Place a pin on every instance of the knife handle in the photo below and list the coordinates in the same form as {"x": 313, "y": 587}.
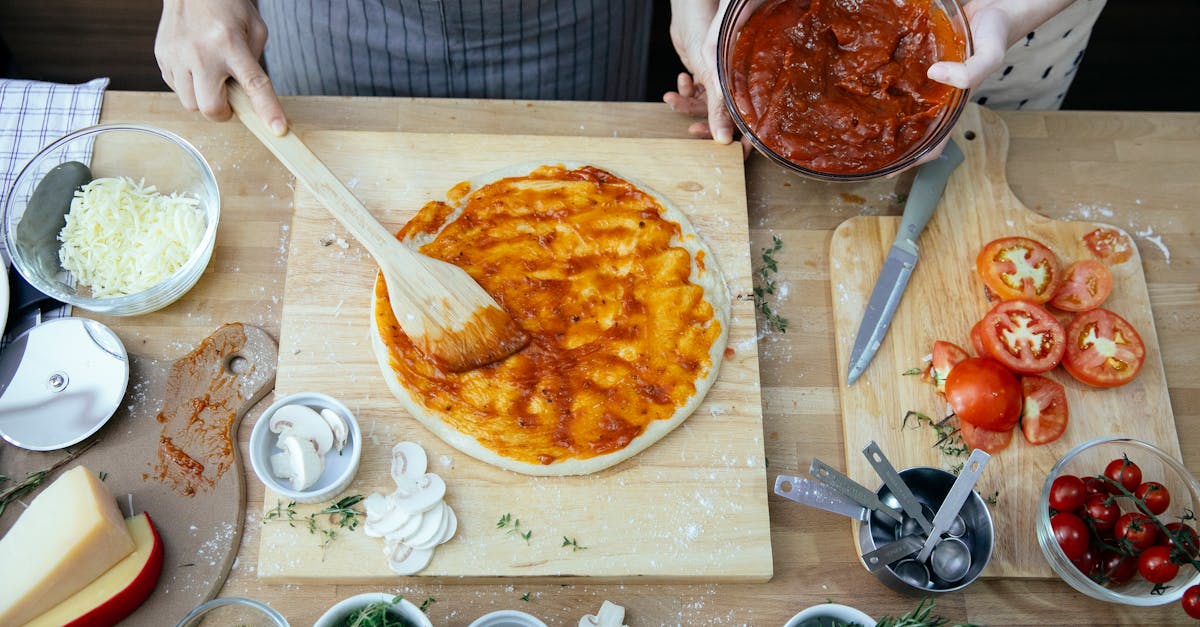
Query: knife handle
{"x": 923, "y": 197}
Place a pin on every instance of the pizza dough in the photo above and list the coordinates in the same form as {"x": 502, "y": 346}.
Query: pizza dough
{"x": 627, "y": 308}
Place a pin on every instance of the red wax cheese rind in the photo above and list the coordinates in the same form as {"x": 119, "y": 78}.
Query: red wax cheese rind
{"x": 120, "y": 590}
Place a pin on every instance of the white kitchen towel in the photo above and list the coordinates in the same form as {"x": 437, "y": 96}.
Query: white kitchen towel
{"x": 33, "y": 114}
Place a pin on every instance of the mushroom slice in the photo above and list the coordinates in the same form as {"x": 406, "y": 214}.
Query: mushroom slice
{"x": 306, "y": 464}
{"x": 405, "y": 560}
{"x": 420, "y": 495}
{"x": 451, "y": 526}
{"x": 433, "y": 525}
{"x": 610, "y": 615}
{"x": 337, "y": 424}
{"x": 384, "y": 518}
{"x": 303, "y": 421}
{"x": 408, "y": 461}
{"x": 280, "y": 466}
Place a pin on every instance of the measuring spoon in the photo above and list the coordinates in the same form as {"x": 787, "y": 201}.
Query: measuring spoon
{"x": 818, "y": 495}
{"x": 888, "y": 553}
{"x": 895, "y": 483}
{"x": 957, "y": 528}
{"x": 852, "y": 489}
{"x": 950, "y": 560}
{"x": 953, "y": 502}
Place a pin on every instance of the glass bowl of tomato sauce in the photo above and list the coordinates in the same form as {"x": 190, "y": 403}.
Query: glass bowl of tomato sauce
{"x": 1106, "y": 547}
{"x": 836, "y": 89}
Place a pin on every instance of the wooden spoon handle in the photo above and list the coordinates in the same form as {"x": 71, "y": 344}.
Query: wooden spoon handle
{"x": 330, "y": 190}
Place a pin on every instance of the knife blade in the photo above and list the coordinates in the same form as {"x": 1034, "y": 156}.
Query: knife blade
{"x": 923, "y": 197}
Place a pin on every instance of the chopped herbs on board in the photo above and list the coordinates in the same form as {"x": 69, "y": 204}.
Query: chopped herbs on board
{"x": 766, "y": 286}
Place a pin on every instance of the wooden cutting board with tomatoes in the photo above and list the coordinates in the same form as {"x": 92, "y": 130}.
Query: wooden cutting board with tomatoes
{"x": 946, "y": 298}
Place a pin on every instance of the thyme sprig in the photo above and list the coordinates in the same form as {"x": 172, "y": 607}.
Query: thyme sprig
{"x": 514, "y": 527}
{"x": 766, "y": 286}
{"x": 325, "y": 522}
{"x": 571, "y": 542}
{"x": 949, "y": 441}
{"x": 35, "y": 479}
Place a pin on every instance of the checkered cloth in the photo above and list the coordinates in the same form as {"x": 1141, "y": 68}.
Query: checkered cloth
{"x": 33, "y": 114}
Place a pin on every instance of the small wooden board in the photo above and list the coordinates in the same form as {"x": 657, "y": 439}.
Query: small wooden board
{"x": 943, "y": 300}
{"x": 693, "y": 507}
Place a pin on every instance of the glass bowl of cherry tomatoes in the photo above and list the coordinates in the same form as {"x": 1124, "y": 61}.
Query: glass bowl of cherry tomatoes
{"x": 1117, "y": 523}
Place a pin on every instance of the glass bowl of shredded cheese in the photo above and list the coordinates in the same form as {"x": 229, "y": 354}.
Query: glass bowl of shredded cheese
{"x": 118, "y": 219}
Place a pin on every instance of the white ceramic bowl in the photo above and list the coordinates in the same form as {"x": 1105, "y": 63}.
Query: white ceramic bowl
{"x": 340, "y": 468}
{"x": 507, "y": 618}
{"x": 831, "y": 612}
{"x": 334, "y": 616}
{"x": 161, "y": 158}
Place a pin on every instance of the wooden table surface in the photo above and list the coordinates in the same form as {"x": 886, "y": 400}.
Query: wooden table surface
{"x": 1138, "y": 171}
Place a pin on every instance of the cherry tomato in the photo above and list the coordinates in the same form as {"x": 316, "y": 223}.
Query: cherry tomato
{"x": 1088, "y": 562}
{"x": 1071, "y": 534}
{"x": 984, "y": 393}
{"x": 1155, "y": 496}
{"x": 986, "y": 440}
{"x": 1044, "y": 412}
{"x": 1102, "y": 349}
{"x": 1191, "y": 601}
{"x": 1124, "y": 472}
{"x": 977, "y": 339}
{"x": 1019, "y": 267}
{"x": 1189, "y": 542}
{"x": 1023, "y": 336}
{"x": 1154, "y": 565}
{"x": 1095, "y": 485}
{"x": 1138, "y": 529}
{"x": 1102, "y": 511}
{"x": 1116, "y": 568}
{"x": 1067, "y": 493}
{"x": 945, "y": 356}
{"x": 1110, "y": 245}
{"x": 1085, "y": 285}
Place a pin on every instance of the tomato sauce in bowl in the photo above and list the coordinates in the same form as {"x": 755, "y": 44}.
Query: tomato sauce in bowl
{"x": 839, "y": 87}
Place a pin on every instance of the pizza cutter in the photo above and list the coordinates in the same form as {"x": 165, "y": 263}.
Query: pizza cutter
{"x": 60, "y": 381}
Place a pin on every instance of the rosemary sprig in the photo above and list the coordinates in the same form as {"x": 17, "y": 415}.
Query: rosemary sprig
{"x": 35, "y": 479}
{"x": 920, "y": 617}
{"x": 766, "y": 286}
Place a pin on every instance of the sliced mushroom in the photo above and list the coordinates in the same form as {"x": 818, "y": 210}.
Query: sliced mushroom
{"x": 386, "y": 519}
{"x": 304, "y": 422}
{"x": 280, "y": 466}
{"x": 405, "y": 560}
{"x": 451, "y": 526}
{"x": 610, "y": 615}
{"x": 337, "y": 424}
{"x": 408, "y": 461}
{"x": 420, "y": 495}
{"x": 433, "y": 525}
{"x": 306, "y": 464}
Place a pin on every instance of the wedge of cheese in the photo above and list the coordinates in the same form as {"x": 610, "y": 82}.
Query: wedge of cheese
{"x": 70, "y": 535}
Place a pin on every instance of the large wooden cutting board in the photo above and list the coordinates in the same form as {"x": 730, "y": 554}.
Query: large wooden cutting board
{"x": 943, "y": 301}
{"x": 692, "y": 507}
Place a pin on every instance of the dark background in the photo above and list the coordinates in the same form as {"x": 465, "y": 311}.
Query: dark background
{"x": 1143, "y": 54}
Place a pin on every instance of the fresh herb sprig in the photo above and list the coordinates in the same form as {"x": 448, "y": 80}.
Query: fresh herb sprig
{"x": 766, "y": 286}
{"x": 35, "y": 479}
{"x": 377, "y": 614}
{"x": 514, "y": 527}
{"x": 919, "y": 617}
{"x": 571, "y": 542}
{"x": 949, "y": 438}
{"x": 325, "y": 522}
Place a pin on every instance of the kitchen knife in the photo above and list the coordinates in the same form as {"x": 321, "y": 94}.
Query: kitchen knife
{"x": 926, "y": 190}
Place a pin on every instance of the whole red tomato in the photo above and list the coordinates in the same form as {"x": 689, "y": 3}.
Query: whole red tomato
{"x": 985, "y": 394}
{"x": 1095, "y": 485}
{"x": 1124, "y": 472}
{"x": 1187, "y": 536}
{"x": 1088, "y": 562}
{"x": 1155, "y": 496}
{"x": 1191, "y": 601}
{"x": 1071, "y": 534}
{"x": 1155, "y": 566}
{"x": 1067, "y": 493}
{"x": 1102, "y": 511}
{"x": 1138, "y": 529}
{"x": 1115, "y": 568}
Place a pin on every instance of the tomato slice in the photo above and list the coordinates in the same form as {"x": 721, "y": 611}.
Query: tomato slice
{"x": 1103, "y": 349}
{"x": 1085, "y": 285}
{"x": 1022, "y": 336}
{"x": 1019, "y": 267}
{"x": 1109, "y": 245}
{"x": 977, "y": 339}
{"x": 1044, "y": 413}
{"x": 989, "y": 441}
{"x": 945, "y": 355}
{"x": 984, "y": 393}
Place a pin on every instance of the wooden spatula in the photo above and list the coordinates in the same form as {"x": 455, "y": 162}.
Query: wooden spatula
{"x": 445, "y": 313}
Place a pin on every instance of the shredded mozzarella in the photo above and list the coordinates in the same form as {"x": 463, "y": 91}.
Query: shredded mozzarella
{"x": 122, "y": 237}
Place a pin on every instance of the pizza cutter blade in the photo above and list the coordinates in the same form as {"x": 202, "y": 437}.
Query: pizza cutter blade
{"x": 60, "y": 381}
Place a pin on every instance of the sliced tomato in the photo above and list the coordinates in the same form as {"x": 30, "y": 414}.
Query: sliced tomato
{"x": 984, "y": 393}
{"x": 1103, "y": 349}
{"x": 1085, "y": 285}
{"x": 1019, "y": 267}
{"x": 1109, "y": 245}
{"x": 1022, "y": 336}
{"x": 991, "y": 442}
{"x": 1044, "y": 413}
{"x": 977, "y": 339}
{"x": 945, "y": 355}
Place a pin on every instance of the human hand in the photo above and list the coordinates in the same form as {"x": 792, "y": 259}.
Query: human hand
{"x": 201, "y": 43}
{"x": 991, "y": 29}
{"x": 695, "y": 25}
